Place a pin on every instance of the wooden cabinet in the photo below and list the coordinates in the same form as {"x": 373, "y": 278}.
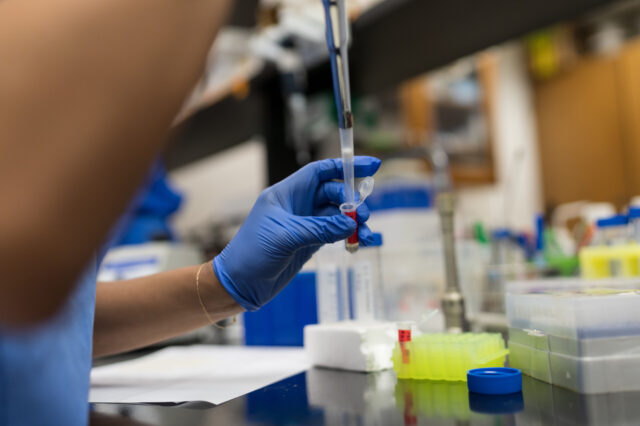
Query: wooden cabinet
{"x": 629, "y": 88}
{"x": 589, "y": 129}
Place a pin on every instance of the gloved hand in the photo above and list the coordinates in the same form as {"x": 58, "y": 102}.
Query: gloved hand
{"x": 289, "y": 222}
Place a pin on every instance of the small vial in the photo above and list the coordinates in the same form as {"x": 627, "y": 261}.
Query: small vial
{"x": 352, "y": 243}
{"x": 404, "y": 337}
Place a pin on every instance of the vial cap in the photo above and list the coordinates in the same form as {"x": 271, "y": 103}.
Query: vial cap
{"x": 366, "y": 187}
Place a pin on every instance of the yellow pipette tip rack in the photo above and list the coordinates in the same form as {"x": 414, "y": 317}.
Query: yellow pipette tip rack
{"x": 447, "y": 356}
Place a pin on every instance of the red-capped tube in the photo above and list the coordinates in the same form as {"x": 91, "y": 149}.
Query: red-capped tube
{"x": 352, "y": 243}
{"x": 353, "y": 239}
{"x": 404, "y": 335}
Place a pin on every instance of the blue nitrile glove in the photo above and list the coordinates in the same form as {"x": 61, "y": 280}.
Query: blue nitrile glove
{"x": 288, "y": 223}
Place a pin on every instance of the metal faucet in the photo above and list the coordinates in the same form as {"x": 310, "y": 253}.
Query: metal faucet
{"x": 453, "y": 299}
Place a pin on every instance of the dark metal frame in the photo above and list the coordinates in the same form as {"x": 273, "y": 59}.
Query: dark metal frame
{"x": 394, "y": 41}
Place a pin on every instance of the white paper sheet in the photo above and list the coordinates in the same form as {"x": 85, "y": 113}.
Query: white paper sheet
{"x": 214, "y": 374}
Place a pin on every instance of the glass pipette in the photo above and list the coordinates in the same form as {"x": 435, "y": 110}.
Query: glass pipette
{"x": 337, "y": 25}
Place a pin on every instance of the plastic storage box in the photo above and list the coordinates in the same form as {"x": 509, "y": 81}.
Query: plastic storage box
{"x": 591, "y": 375}
{"x": 581, "y": 335}
{"x": 576, "y": 309}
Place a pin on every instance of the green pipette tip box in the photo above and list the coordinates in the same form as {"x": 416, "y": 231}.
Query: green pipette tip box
{"x": 447, "y": 356}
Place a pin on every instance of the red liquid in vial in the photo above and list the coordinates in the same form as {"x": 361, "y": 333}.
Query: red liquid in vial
{"x": 404, "y": 337}
{"x": 353, "y": 239}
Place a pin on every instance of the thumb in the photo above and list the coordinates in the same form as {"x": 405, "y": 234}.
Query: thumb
{"x": 312, "y": 230}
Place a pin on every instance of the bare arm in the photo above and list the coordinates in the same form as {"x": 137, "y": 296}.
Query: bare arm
{"x": 135, "y": 313}
{"x": 87, "y": 89}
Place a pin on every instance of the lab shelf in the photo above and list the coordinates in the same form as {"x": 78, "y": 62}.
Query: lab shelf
{"x": 393, "y": 41}
{"x": 400, "y": 39}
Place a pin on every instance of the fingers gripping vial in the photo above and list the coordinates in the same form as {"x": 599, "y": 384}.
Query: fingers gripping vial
{"x": 286, "y": 226}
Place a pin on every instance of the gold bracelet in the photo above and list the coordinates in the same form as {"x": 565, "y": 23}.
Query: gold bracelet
{"x": 204, "y": 308}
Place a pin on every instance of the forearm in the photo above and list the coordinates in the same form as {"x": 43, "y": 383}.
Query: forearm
{"x": 135, "y": 313}
{"x": 87, "y": 91}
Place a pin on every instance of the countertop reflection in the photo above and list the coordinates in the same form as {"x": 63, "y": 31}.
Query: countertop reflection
{"x": 331, "y": 397}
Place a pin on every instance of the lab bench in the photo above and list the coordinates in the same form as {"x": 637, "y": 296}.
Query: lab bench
{"x": 331, "y": 397}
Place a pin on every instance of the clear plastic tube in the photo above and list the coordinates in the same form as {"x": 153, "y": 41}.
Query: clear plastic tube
{"x": 346, "y": 145}
{"x": 366, "y": 283}
{"x": 332, "y": 286}
{"x": 352, "y": 243}
{"x": 343, "y": 24}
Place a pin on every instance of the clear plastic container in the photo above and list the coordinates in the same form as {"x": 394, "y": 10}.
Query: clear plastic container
{"x": 613, "y": 346}
{"x": 414, "y": 277}
{"x": 365, "y": 283}
{"x": 331, "y": 283}
{"x": 574, "y": 308}
{"x": 349, "y": 285}
{"x": 611, "y": 231}
{"x": 589, "y": 375}
{"x": 578, "y": 334}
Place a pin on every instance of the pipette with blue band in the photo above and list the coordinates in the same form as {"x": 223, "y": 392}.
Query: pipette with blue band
{"x": 337, "y": 27}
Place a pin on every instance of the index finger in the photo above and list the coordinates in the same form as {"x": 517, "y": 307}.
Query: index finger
{"x": 363, "y": 166}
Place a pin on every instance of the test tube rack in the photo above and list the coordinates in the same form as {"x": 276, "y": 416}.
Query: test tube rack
{"x": 447, "y": 356}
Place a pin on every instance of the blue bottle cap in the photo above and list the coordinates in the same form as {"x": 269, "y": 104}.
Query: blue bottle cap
{"x": 617, "y": 220}
{"x": 634, "y": 212}
{"x": 501, "y": 234}
{"x": 494, "y": 381}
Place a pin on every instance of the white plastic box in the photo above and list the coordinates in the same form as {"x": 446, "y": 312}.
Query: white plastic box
{"x": 591, "y": 375}
{"x": 575, "y": 309}
{"x": 581, "y": 335}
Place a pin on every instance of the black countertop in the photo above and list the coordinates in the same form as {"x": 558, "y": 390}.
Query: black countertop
{"x": 330, "y": 397}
